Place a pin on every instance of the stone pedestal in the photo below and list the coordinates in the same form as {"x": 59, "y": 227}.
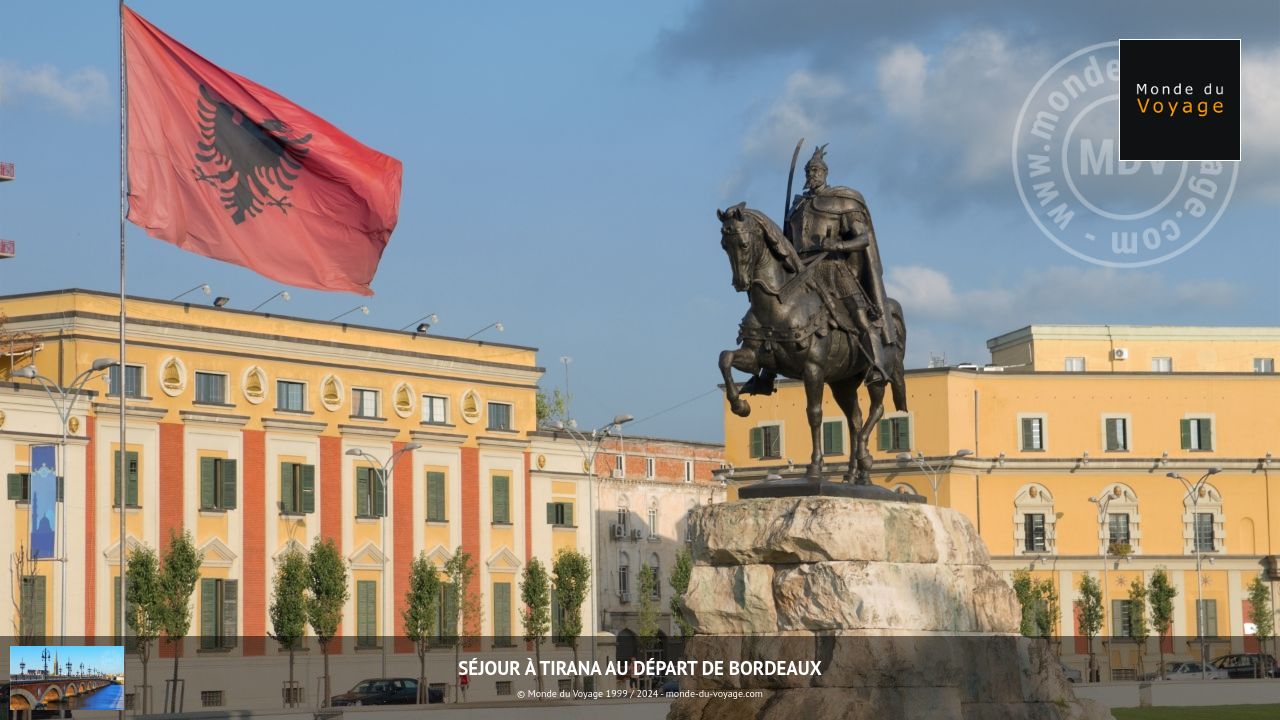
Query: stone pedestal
{"x": 897, "y": 602}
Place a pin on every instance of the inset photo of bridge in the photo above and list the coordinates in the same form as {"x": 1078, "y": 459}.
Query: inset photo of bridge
{"x": 47, "y": 681}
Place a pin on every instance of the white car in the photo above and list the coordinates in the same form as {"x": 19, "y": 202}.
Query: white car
{"x": 1189, "y": 670}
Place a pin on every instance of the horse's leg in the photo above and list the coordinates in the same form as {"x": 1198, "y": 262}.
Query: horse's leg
{"x": 743, "y": 359}
{"x": 875, "y": 392}
{"x": 813, "y": 387}
{"x": 846, "y": 395}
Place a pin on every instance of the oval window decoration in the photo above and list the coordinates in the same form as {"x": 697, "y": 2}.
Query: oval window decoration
{"x": 470, "y": 407}
{"x": 173, "y": 376}
{"x": 255, "y": 385}
{"x": 331, "y": 393}
{"x": 403, "y": 400}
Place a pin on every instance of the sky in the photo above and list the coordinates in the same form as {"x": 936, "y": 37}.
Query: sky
{"x": 563, "y": 162}
{"x": 107, "y": 659}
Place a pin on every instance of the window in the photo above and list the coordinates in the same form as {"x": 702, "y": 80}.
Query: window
{"x": 366, "y": 613}
{"x": 211, "y": 388}
{"x": 1196, "y": 433}
{"x": 1205, "y": 540}
{"x": 435, "y": 497}
{"x": 435, "y": 409}
{"x": 131, "y": 485}
{"x": 502, "y": 687}
{"x": 217, "y": 484}
{"x": 623, "y": 514}
{"x": 560, "y": 513}
{"x": 297, "y": 488}
{"x": 564, "y": 685}
{"x": 502, "y": 614}
{"x": 1120, "y": 618}
{"x": 132, "y": 380}
{"x": 501, "y": 499}
{"x": 1162, "y": 364}
{"x": 557, "y": 620}
{"x": 1033, "y": 534}
{"x": 657, "y": 578}
{"x": 688, "y": 471}
{"x": 1074, "y": 364}
{"x": 32, "y": 608}
{"x": 211, "y": 698}
{"x": 649, "y": 468}
{"x": 833, "y": 437}
{"x": 1264, "y": 365}
{"x": 1117, "y": 433}
{"x": 624, "y": 582}
{"x": 1207, "y": 618}
{"x": 20, "y": 487}
{"x": 619, "y": 465}
{"x": 653, "y": 523}
{"x": 218, "y": 613}
{"x": 1118, "y": 529}
{"x": 895, "y": 434}
{"x": 291, "y": 396}
{"x": 371, "y": 493}
{"x": 1032, "y": 434}
{"x": 447, "y": 615}
{"x": 499, "y": 416}
{"x": 766, "y": 441}
{"x": 364, "y": 403}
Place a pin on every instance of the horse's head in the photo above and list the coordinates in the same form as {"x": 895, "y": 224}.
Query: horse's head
{"x": 739, "y": 236}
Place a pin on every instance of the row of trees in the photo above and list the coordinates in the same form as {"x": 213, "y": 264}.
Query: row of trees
{"x": 158, "y": 602}
{"x": 1150, "y": 610}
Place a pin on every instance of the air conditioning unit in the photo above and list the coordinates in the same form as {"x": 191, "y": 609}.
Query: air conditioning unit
{"x": 636, "y": 534}
{"x": 1271, "y": 567}
{"x": 1120, "y": 354}
{"x": 618, "y": 474}
{"x": 619, "y": 531}
{"x": 624, "y": 596}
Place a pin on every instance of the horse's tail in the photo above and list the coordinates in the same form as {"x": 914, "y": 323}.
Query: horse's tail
{"x": 897, "y": 379}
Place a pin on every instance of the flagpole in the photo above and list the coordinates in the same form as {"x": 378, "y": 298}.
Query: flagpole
{"x": 121, "y": 374}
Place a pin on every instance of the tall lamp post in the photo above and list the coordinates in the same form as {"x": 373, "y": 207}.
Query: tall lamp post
{"x": 382, "y": 470}
{"x": 1102, "y": 503}
{"x": 589, "y": 453}
{"x": 64, "y": 402}
{"x": 1193, "y": 492}
{"x": 932, "y": 472}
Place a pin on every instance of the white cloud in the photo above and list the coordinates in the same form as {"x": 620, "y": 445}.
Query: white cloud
{"x": 1259, "y": 119}
{"x": 901, "y": 75}
{"x": 76, "y": 93}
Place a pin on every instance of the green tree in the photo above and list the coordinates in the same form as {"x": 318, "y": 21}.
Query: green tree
{"x": 681, "y": 571}
{"x": 1139, "y": 630}
{"x": 288, "y": 609}
{"x": 647, "y": 611}
{"x": 328, "y": 595}
{"x": 1090, "y": 607}
{"x": 1160, "y": 594}
{"x": 553, "y": 406}
{"x": 1260, "y": 613}
{"x": 465, "y": 606}
{"x": 535, "y": 593}
{"x": 180, "y": 570}
{"x": 420, "y": 614}
{"x": 1038, "y": 600}
{"x": 144, "y": 608}
{"x": 571, "y": 578}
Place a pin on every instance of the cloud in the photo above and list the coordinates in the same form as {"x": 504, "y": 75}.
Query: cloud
{"x": 1260, "y": 117}
{"x": 75, "y": 93}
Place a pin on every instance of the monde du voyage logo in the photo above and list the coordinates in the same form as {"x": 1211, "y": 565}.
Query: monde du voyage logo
{"x": 1123, "y": 152}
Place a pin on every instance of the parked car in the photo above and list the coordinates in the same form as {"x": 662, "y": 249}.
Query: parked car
{"x": 1246, "y": 665}
{"x": 1072, "y": 674}
{"x": 1187, "y": 670}
{"x": 385, "y": 691}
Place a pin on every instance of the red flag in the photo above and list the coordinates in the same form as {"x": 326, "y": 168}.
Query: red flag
{"x": 223, "y": 167}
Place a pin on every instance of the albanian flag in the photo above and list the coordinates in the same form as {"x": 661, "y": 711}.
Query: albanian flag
{"x": 223, "y": 167}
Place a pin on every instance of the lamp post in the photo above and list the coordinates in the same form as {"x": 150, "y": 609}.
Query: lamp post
{"x": 1193, "y": 491}
{"x": 934, "y": 474}
{"x": 283, "y": 295}
{"x": 64, "y": 401}
{"x": 495, "y": 325}
{"x": 1102, "y": 503}
{"x": 589, "y": 461}
{"x": 382, "y": 470}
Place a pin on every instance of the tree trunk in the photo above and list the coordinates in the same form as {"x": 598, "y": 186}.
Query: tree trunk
{"x": 537, "y": 653}
{"x": 575, "y": 664}
{"x": 292, "y": 699}
{"x": 1161, "y": 668}
{"x": 143, "y": 704}
{"x": 324, "y": 650}
{"x": 177, "y": 652}
{"x": 424, "y": 695}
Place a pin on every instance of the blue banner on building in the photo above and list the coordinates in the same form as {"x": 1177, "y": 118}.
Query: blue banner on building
{"x": 44, "y": 501}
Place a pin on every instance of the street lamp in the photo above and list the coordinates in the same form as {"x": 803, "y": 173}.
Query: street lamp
{"x": 495, "y": 325}
{"x": 283, "y": 295}
{"x": 1193, "y": 491}
{"x": 382, "y": 470}
{"x": 202, "y": 286}
{"x": 934, "y": 474}
{"x": 361, "y": 308}
{"x": 1103, "y": 503}
{"x": 424, "y": 323}
{"x": 64, "y": 401}
{"x": 589, "y": 459}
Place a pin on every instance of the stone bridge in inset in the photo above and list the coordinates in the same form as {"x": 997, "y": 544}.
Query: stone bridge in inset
{"x": 27, "y": 693}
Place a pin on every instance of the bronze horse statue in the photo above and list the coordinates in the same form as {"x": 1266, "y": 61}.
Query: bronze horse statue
{"x": 792, "y": 330}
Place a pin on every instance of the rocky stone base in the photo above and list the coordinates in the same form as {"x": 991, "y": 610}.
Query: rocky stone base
{"x": 897, "y": 602}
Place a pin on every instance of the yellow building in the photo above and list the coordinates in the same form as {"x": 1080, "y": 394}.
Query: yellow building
{"x": 259, "y": 434}
{"x": 1059, "y": 463}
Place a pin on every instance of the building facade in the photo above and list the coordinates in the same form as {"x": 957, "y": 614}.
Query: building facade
{"x": 1060, "y": 454}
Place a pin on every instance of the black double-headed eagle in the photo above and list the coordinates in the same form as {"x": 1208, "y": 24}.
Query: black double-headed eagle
{"x": 248, "y": 157}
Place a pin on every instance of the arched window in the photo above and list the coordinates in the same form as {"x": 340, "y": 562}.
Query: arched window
{"x": 1202, "y": 522}
{"x": 624, "y": 514}
{"x": 653, "y": 518}
{"x": 1034, "y": 521}
{"x": 1120, "y": 530}
{"x": 624, "y": 576}
{"x": 656, "y": 564}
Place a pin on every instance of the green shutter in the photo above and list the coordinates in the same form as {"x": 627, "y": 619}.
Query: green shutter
{"x": 286, "y": 488}
{"x": 208, "y": 613}
{"x": 901, "y": 433}
{"x": 15, "y": 486}
{"x": 31, "y": 608}
{"x": 435, "y": 496}
{"x": 832, "y": 438}
{"x": 501, "y": 498}
{"x": 62, "y": 484}
{"x": 551, "y": 513}
{"x": 450, "y": 610}
{"x": 230, "y": 593}
{"x": 208, "y": 483}
{"x": 308, "y": 488}
{"x": 362, "y": 492}
{"x": 131, "y": 488}
{"x": 1028, "y": 434}
{"x": 115, "y": 479}
{"x": 1206, "y": 433}
{"x": 229, "y": 484}
{"x": 1113, "y": 435}
{"x": 502, "y": 613}
{"x": 883, "y": 439}
{"x": 757, "y": 442}
{"x": 378, "y": 488}
{"x": 568, "y": 514}
{"x": 366, "y": 612}
{"x": 1184, "y": 427}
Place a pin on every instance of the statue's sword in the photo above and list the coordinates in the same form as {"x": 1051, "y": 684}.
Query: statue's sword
{"x": 786, "y": 207}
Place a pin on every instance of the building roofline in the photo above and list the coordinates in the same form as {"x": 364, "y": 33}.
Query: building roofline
{"x": 1094, "y": 375}
{"x": 1217, "y": 333}
{"x": 554, "y": 434}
